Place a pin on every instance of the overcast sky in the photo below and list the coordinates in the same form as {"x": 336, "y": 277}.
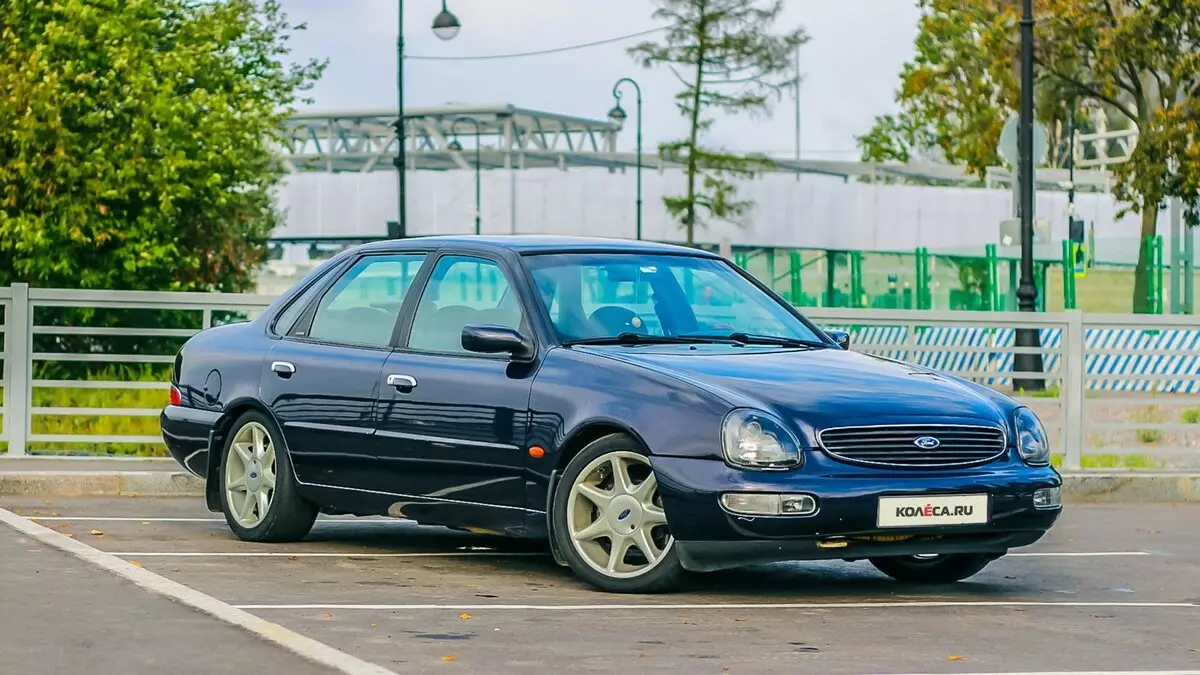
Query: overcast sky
{"x": 851, "y": 64}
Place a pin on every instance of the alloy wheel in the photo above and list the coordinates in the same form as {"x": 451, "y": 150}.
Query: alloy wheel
{"x": 615, "y": 516}
{"x": 250, "y": 473}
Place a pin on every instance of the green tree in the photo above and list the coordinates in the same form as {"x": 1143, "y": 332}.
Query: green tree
{"x": 135, "y": 140}
{"x": 732, "y": 62}
{"x": 1136, "y": 60}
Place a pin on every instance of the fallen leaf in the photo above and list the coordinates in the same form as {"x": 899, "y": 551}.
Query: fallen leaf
{"x": 328, "y": 615}
{"x": 54, "y": 514}
{"x": 954, "y": 657}
{"x": 136, "y": 563}
{"x": 724, "y": 669}
{"x": 1193, "y": 649}
{"x": 69, "y": 535}
{"x": 464, "y": 615}
{"x": 47, "y": 502}
{"x": 738, "y": 619}
{"x": 448, "y": 657}
{"x": 643, "y": 655}
{"x": 291, "y": 557}
{"x": 374, "y": 625}
{"x": 132, "y": 495}
{"x": 97, "y": 533}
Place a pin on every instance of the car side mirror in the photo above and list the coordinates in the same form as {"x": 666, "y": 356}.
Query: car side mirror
{"x": 497, "y": 340}
{"x": 841, "y": 337}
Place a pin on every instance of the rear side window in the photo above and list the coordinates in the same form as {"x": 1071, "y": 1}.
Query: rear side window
{"x": 361, "y": 307}
{"x": 287, "y": 318}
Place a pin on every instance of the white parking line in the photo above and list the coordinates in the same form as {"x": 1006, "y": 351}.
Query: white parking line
{"x": 916, "y": 604}
{"x": 296, "y": 643}
{"x": 317, "y": 554}
{"x": 339, "y": 554}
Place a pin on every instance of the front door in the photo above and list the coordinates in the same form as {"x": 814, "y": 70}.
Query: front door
{"x": 452, "y": 424}
{"x": 322, "y": 380}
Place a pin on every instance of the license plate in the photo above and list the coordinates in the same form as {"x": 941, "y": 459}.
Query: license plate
{"x": 939, "y": 510}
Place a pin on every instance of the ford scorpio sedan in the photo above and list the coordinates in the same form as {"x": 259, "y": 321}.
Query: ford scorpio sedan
{"x": 647, "y": 409}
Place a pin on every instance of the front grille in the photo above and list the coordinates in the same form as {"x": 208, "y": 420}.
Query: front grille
{"x": 898, "y": 447}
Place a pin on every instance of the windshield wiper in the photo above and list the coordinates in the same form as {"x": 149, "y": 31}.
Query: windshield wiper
{"x": 629, "y": 338}
{"x": 755, "y": 339}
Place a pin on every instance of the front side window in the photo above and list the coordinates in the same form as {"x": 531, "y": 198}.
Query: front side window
{"x": 462, "y": 291}
{"x": 592, "y": 296}
{"x": 361, "y": 307}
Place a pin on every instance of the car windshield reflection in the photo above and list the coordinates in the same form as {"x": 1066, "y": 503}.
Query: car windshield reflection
{"x": 621, "y": 298}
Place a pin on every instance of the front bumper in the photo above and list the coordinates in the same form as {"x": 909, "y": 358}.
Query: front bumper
{"x": 187, "y": 432}
{"x": 845, "y": 525}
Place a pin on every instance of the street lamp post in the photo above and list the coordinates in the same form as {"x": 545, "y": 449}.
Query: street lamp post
{"x": 445, "y": 26}
{"x": 618, "y": 115}
{"x": 1027, "y": 292}
{"x": 455, "y": 146}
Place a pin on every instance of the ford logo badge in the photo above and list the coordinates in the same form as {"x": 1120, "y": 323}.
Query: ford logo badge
{"x": 927, "y": 442}
{"x": 624, "y": 514}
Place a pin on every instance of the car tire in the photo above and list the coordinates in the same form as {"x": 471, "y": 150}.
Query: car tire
{"x": 286, "y": 516}
{"x": 573, "y": 514}
{"x": 941, "y": 569}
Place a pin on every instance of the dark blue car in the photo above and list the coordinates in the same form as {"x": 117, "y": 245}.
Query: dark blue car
{"x": 648, "y": 409}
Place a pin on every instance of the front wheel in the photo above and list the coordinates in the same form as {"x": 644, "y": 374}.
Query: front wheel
{"x": 259, "y": 494}
{"x": 609, "y": 522}
{"x": 933, "y": 569}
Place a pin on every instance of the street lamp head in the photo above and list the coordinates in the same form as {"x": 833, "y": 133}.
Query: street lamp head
{"x": 446, "y": 25}
{"x": 455, "y": 146}
{"x": 617, "y": 114}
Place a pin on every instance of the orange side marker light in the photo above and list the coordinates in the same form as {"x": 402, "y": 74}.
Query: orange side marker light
{"x": 537, "y": 452}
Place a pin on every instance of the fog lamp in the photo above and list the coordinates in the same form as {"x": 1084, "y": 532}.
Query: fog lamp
{"x": 1047, "y": 498}
{"x": 767, "y": 504}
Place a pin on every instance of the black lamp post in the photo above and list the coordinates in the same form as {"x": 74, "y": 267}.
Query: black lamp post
{"x": 1027, "y": 291}
{"x": 455, "y": 146}
{"x": 618, "y": 115}
{"x": 446, "y": 27}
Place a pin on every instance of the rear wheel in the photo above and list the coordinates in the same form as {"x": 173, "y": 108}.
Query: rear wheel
{"x": 933, "y": 568}
{"x": 259, "y": 496}
{"x": 609, "y": 522}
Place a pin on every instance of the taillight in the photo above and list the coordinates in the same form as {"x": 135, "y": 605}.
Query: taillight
{"x": 176, "y": 397}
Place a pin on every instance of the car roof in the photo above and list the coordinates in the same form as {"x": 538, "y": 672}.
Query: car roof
{"x": 533, "y": 244}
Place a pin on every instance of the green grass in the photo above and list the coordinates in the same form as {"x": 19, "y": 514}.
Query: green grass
{"x": 1149, "y": 415}
{"x": 1112, "y": 461}
{"x": 1190, "y": 416}
{"x": 114, "y": 425}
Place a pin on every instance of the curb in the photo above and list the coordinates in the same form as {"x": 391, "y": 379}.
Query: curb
{"x": 100, "y": 484}
{"x": 1087, "y": 488}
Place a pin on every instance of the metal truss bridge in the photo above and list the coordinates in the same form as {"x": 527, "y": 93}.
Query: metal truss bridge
{"x": 444, "y": 138}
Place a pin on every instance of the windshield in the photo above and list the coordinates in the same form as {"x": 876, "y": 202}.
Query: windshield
{"x": 592, "y": 296}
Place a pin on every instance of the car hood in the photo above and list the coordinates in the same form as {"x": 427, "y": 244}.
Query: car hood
{"x": 820, "y": 388}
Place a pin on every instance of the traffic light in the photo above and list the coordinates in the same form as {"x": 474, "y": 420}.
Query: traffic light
{"x": 1079, "y": 252}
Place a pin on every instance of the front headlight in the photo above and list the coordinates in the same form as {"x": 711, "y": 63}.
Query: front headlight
{"x": 753, "y": 439}
{"x": 1032, "y": 441}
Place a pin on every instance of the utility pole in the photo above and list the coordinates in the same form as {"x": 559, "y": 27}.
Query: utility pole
{"x": 1027, "y": 291}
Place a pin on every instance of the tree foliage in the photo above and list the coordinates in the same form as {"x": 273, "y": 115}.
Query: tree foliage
{"x": 1135, "y": 59}
{"x": 731, "y": 62}
{"x": 135, "y": 140}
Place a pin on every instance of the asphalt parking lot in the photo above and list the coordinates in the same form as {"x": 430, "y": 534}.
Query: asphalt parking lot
{"x": 1112, "y": 588}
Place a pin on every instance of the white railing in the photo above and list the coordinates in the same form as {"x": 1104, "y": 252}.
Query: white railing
{"x": 1122, "y": 392}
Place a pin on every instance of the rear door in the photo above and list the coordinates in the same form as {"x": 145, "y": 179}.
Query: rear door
{"x": 452, "y": 427}
{"x": 322, "y": 380}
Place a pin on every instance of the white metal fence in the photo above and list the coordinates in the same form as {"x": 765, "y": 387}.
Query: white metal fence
{"x": 85, "y": 372}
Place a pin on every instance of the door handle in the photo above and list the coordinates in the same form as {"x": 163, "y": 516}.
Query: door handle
{"x": 283, "y": 369}
{"x": 402, "y": 381}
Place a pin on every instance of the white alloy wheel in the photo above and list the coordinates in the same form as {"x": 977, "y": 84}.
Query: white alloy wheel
{"x": 615, "y": 517}
{"x": 250, "y": 475}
